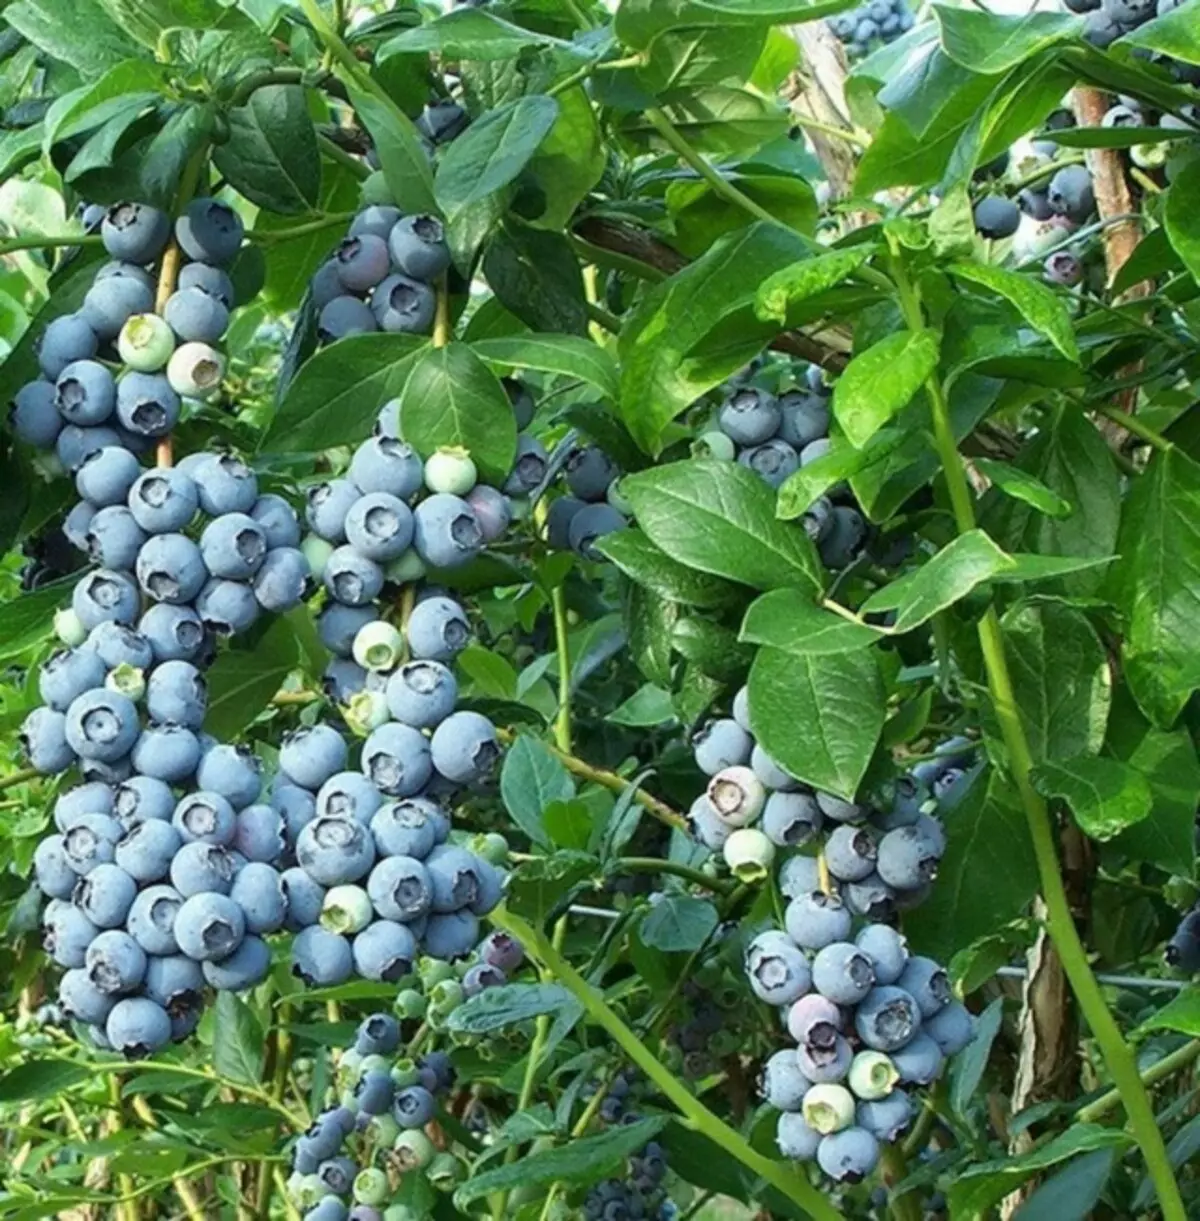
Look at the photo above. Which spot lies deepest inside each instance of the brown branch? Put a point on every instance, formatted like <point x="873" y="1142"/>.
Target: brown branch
<point x="817" y="90"/>
<point x="827" y="348"/>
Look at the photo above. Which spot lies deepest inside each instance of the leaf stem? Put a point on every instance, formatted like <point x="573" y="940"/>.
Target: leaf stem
<point x="699" y="1117"/>
<point x="46" y="241"/>
<point x="1133" y="425"/>
<point x="327" y="220"/>
<point x="19" y="777"/>
<point x="337" y="154"/>
<point x="652" y="864"/>
<point x="1059" y="922"/>
<point x="828" y="129"/>
<point x="1181" y="1057"/>
<point x="260" y="80"/>
<point x="441" y="319"/>
<point x="613" y="781"/>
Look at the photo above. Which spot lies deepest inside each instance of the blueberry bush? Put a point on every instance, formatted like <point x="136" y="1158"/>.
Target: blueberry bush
<point x="599" y="610"/>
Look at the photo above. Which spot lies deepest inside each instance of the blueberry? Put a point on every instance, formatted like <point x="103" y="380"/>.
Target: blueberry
<point x="795" y="1139"/>
<point x="66" y="339"/>
<point x="82" y="1000"/>
<point x="418" y="247"/>
<point x="887" y="1018"/>
<point x="464" y="748"/>
<point x="113" y="538"/>
<point x="791" y="819"/>
<point x="437" y="629"/>
<point x="374" y="1091"/>
<point x="351" y="578"/>
<point x="1070" y="193"/>
<point x="850" y="853"/>
<point x="459" y="879"/>
<point x="1062" y="268"/>
<point x="749" y="416"/>
<point x="886" y="1117"/>
<point x="777" y="970"/>
<point x="843" y="973"/>
<point x="102" y="725"/>
<point x="208" y="279"/>
<point x="1183" y="950"/>
<point x="207" y="817"/>
<point x="85" y="393"/>
<point x="259" y="833"/>
<point x="400" y="888"/>
<point x="67" y="932"/>
<point x="736" y="795"/>
<point x="296" y="807"/>
<point x="209" y="231"/>
<point x="376" y="220"/>
<point x="824" y="1062"/>
<point x="209" y="927"/>
<point x="405" y="828"/>
<point x="348" y="795"/>
<point x="502" y="950"/>
<point x="225" y="484"/>
<point x="246" y="967"/>
<point x="177" y="694"/>
<point x="321" y="958"/>
<point x="445" y="531"/>
<point x="401" y="305"/>
<point x="55" y="874"/>
<point x="386" y="464"/>
<point x="105" y="476"/>
<point x="384" y="951"/>
<point x="304" y="899"/>
<point x="147" y="405"/>
<point x="345" y="316"/>
<point x="492" y="509"/>
<point x="135" y="232"/>
<point x="414" y="1107"/>
<point x="706" y="825"/>
<point x="112" y="300"/>
<point x="335" y="850"/>
<point x="75" y="443"/>
<point x="398" y="759"/>
<point x="591" y="523"/>
<point x="996" y="217"/>
<point x="146" y="851"/>
<point x="927" y="982"/>
<point x="277" y="520"/>
<point x="196" y="316"/>
<point x="174" y="981"/>
<point x="804" y="417"/>
<point x="69" y="674"/>
<point x="33" y="414"/>
<point x="848" y="1156"/>
<point x="361" y="261"/>
<point x="442" y="121"/>
<point x="167" y="752"/>
<point x="171" y="569"/>
<point x="951" y="1028"/>
<point x="94" y="798"/>
<point x="816" y="920"/>
<point x="847" y="532"/>
<point x="886" y="949"/>
<point x="228" y="607"/>
<point x="310" y="755"/>
<point x="920" y="1060"/>
<point x="151" y="919"/>
<point x="283" y="580"/>
<point x="379" y="526"/>
<point x="720" y="744"/>
<point x="422" y="693"/>
<point x="105" y="895"/>
<point x="90" y="841"/>
<point x="589" y="472"/>
<point x="164" y="500"/>
<point x="908" y="857"/>
<point x="234" y="772"/>
<point x="200" y="868"/>
<point x="115" y="963"/>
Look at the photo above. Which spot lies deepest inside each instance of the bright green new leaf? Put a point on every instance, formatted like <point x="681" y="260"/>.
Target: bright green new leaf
<point x="881" y="381"/>
<point x="1181" y="217"/>
<point x="1021" y="485"/>
<point x="1035" y="302"/>
<point x="805" y="279"/>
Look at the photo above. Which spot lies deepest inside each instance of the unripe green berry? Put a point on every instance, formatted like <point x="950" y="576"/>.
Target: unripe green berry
<point x="317" y="552"/>
<point x="308" y="1192"/>
<point x="404" y="1072"/>
<point x="714" y="445"/>
<point x="413" y="1150"/>
<point x="403" y="1212"/>
<point x="749" y="853"/>
<point x="371" y="1187"/>
<point x="128" y="680"/>
<point x="146" y="343"/>
<point x="493" y="847"/>
<point x="433" y="970"/>
<point x="445" y="997"/>
<point x="195" y="370"/>
<point x="69" y="629"/>
<point x="346" y="910"/>
<point x="409" y="1004"/>
<point x="445" y="1172"/>
<point x="378" y="646"/>
<point x="349" y="1062"/>
<point x="375" y="191"/>
<point x="450" y="469"/>
<point x="365" y="711"/>
<point x="405" y="569"/>
<point x="1148" y="156"/>
<point x="382" y="1130"/>
<point x="828" y="1108"/>
<point x="872" y="1075"/>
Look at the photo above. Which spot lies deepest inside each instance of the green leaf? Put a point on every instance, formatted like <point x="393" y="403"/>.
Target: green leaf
<point x="148" y="20"/>
<point x="881" y="381"/>
<point x="1061" y="679"/>
<point x="987" y="877"/>
<point x="659" y="375"/>
<point x="162" y="163"/>
<point x="818" y="716"/>
<point x="678" y="924"/>
<point x="1071" y="459"/>
<point x="271" y="155"/>
<point x="719" y="120"/>
<point x="397" y="143"/>
<point x="1072" y="1193"/>
<point x="535" y="275"/>
<point x="466" y="33"/>
<point x="569" y="162"/>
<point x="530" y="780"/>
<point x="1021" y="485"/>
<point x="647" y="706"/>
<point x="538" y="887"/>
<point x="714" y="649"/>
<point x="497" y="1008"/>
<point x="806" y="279"/>
<point x="38" y="1079"/>
<point x="1156" y="583"/>
<point x="452" y="398"/>
<point x="92" y="105"/>
<point x="841" y="461"/>
<point x="968" y="1067"/>
<point x="947" y="578"/>
<point x="569" y="823"/>
<point x="719" y="517"/>
<point x="1030" y="568"/>
<point x="785" y="619"/>
<point x="336" y="396"/>
<point x="241" y="682"/>
<point x="1035" y="302"/>
<point x="30" y="618"/>
<point x="1181" y="1014"/>
<point x="237" y="1049"/>
<point x="1175" y="34"/>
<point x="492" y="152"/>
<point x="1180" y="218"/>
<point x="1167" y="838"/>
<point x="700" y="215"/>
<point x="981" y="1185"/>
<point x="76" y="32"/>
<point x="1105" y="795"/>
<point x="568" y="355"/>
<point x="585" y="1160"/>
<point x="990" y="43"/>
<point x="641" y="561"/>
<point x="639" y="22"/>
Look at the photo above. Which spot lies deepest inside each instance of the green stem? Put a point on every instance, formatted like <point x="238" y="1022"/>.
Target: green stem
<point x="615" y="261"/>
<point x="1181" y="1057"/>
<point x="562" y="720"/>
<point x="1059" y="922"/>
<point x="271" y="237"/>
<point x="1133" y="425"/>
<point x="610" y="322"/>
<point x="335" y="152"/>
<point x="260" y="80"/>
<point x="19" y="777"/>
<point x="828" y="129"/>
<point x="652" y="864"/>
<point x="46" y="241"/>
<point x="905" y="1207"/>
<point x="699" y="1117"/>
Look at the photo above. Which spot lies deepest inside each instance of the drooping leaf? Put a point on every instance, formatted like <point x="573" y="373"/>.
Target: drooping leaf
<point x="988" y="42"/>
<point x="719" y="517"/>
<point x="1105" y="795"/>
<point x="1073" y="1192"/>
<point x="535" y="275"/>
<point x="401" y="154"/>
<point x="881" y="381"/>
<point x="1036" y="303"/>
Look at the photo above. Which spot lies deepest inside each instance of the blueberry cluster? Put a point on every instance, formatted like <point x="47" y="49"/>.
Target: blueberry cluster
<point x="1108" y="20"/>
<point x="872" y="25"/>
<point x="437" y="987"/>
<point x="381" y="277"/>
<point x="79" y="406"/>
<point x="640" y="1195"/>
<point x="774" y="435"/>
<point x="869" y="1020"/>
<point x="1183" y="950"/>
<point x="593" y="505"/>
<point x="707" y="1028"/>
<point x="388" y="1101"/>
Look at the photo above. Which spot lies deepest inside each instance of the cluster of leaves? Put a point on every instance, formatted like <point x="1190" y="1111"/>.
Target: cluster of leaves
<point x="637" y="221"/>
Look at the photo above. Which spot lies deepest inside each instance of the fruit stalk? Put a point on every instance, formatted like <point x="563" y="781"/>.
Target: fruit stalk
<point x="1059" y="922"/>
